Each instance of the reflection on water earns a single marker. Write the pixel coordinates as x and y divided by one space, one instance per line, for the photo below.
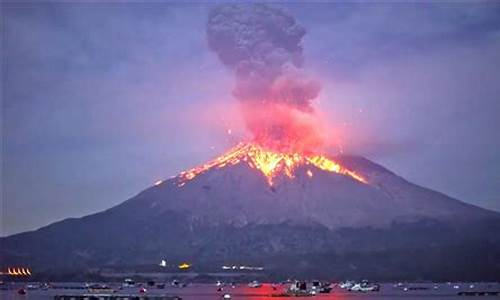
445 291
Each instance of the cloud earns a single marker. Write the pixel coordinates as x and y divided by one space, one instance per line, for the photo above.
262 45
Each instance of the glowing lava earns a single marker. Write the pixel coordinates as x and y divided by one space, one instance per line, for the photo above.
270 163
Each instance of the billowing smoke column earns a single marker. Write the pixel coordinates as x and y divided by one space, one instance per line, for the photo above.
262 45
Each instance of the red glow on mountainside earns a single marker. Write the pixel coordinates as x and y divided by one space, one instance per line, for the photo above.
270 163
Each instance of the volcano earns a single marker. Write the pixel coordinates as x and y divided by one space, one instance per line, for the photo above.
301 215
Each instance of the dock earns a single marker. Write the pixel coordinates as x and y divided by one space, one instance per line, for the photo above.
116 297
479 293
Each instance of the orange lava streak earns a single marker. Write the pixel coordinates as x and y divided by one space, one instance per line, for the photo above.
269 162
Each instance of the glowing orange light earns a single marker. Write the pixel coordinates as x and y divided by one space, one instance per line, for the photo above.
270 163
18 272
184 266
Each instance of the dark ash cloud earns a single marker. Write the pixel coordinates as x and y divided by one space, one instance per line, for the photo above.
263 46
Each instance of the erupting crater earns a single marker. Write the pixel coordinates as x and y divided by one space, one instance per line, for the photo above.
270 163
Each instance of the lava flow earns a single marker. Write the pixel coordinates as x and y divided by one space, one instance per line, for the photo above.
263 48
270 163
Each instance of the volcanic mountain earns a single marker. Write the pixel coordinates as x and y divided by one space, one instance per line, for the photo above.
294 215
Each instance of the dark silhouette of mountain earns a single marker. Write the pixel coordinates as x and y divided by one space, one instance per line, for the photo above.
325 226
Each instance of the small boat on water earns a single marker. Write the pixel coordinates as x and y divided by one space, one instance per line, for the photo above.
415 288
346 284
319 287
365 286
128 283
175 283
255 284
32 286
298 289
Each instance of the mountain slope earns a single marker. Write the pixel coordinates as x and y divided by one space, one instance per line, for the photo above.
239 195
388 227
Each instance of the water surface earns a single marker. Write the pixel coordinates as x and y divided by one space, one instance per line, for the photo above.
445 291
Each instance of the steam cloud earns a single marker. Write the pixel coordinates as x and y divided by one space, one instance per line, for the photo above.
262 45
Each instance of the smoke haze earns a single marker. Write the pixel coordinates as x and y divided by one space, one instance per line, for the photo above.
262 45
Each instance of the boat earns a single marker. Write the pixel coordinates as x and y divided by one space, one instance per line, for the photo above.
32 286
128 282
321 287
415 288
175 283
346 284
364 286
298 289
255 284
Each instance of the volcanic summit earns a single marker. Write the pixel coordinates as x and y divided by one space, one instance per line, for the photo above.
250 184
306 216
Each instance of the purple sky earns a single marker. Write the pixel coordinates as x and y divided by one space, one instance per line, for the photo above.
101 100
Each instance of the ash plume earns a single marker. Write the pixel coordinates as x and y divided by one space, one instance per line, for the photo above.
263 46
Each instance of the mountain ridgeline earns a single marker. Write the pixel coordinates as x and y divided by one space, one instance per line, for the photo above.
318 224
